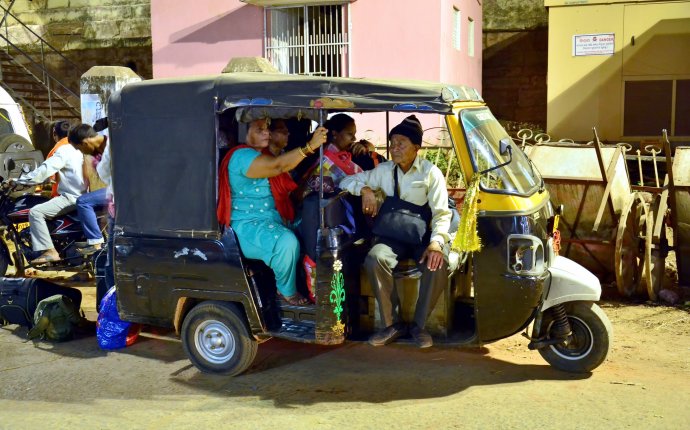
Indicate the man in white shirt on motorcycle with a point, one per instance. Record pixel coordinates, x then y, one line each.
68 161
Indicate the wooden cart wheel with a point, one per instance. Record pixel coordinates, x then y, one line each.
654 253
629 256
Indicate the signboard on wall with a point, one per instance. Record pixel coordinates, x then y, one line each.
593 44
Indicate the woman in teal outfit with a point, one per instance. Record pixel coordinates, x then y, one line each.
254 217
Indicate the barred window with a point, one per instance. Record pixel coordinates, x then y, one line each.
309 40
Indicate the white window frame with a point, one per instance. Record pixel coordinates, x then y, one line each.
470 37
298 51
457 29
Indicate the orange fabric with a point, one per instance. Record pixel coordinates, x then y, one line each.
281 187
56 177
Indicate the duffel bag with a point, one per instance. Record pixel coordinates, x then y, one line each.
19 298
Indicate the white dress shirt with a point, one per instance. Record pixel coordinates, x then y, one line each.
423 183
68 161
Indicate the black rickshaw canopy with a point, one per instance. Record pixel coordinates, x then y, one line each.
164 135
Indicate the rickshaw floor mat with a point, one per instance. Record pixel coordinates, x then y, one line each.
297 313
301 332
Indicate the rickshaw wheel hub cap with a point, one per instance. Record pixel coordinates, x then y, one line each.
579 343
214 341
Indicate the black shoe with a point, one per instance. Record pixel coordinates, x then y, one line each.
387 335
420 336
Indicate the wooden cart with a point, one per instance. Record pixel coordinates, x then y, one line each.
604 224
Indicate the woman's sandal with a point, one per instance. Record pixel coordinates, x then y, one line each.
295 300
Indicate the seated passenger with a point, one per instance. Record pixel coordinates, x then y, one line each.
279 136
341 155
68 161
256 201
95 199
421 183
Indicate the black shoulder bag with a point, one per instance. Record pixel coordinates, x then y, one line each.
401 220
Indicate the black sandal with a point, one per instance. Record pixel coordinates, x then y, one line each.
295 300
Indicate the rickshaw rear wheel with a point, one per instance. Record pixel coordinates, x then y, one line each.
589 344
216 339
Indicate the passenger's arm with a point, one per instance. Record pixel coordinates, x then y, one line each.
363 184
48 168
266 166
103 168
437 195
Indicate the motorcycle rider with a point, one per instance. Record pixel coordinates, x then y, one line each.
68 161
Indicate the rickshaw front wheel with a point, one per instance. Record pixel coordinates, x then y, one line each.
589 344
216 339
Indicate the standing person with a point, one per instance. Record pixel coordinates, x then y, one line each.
421 183
88 203
253 201
68 160
59 132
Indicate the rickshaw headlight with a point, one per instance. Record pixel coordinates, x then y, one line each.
525 254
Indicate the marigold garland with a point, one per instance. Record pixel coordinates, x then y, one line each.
467 237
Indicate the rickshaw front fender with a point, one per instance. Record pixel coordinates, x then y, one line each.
570 282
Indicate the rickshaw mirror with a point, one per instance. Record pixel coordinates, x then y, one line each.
504 146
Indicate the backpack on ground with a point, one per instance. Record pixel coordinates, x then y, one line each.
56 319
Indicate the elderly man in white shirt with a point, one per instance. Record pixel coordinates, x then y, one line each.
421 183
68 160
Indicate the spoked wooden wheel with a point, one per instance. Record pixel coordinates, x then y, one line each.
629 256
655 244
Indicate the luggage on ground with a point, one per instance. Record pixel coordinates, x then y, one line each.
19 298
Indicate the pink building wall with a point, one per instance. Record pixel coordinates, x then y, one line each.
457 67
389 39
201 36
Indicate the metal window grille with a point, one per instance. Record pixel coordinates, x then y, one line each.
309 40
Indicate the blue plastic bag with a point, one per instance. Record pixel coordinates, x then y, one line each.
111 331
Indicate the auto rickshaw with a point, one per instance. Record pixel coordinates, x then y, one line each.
175 267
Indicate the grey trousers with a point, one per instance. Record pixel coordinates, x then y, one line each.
40 236
379 265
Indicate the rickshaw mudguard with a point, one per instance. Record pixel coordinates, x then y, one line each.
505 302
570 282
153 273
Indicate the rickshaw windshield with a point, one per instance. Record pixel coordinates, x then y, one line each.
484 135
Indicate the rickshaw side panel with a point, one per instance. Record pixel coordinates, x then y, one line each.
154 273
164 164
504 301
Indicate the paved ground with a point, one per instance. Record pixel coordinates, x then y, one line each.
151 385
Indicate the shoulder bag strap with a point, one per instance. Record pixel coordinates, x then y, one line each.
396 193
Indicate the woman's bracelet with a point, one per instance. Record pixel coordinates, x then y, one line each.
301 152
307 149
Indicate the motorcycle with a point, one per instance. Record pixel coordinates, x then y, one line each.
16 200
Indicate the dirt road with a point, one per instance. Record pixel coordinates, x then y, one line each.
151 385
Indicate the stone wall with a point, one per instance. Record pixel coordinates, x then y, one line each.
515 42
87 33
